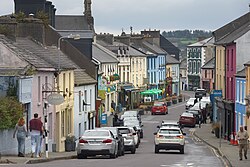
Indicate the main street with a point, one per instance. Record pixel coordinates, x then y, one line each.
196 152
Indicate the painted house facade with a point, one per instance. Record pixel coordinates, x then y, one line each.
173 75
207 73
247 118
220 68
183 74
240 104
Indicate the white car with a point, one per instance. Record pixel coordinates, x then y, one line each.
97 142
169 138
129 136
191 102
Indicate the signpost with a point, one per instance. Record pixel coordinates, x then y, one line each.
55 99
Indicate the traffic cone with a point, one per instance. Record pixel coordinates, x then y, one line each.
232 138
235 139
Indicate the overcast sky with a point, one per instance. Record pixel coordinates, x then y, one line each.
111 16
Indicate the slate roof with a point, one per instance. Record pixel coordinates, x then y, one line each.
154 48
241 73
10 72
235 34
103 55
168 46
183 63
71 22
25 55
82 78
171 60
230 27
49 53
210 64
132 51
201 43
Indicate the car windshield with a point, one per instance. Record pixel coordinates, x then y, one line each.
170 125
124 131
169 131
130 113
130 123
130 118
96 133
193 111
158 104
113 130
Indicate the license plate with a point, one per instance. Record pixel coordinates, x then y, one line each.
158 111
93 142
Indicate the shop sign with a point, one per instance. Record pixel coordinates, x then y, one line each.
55 99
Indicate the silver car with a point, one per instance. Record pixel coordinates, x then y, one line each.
97 142
169 138
130 138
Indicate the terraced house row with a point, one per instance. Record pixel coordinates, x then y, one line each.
62 59
221 63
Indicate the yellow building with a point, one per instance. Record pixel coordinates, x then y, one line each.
220 69
65 111
247 119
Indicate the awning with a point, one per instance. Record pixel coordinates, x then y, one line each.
151 92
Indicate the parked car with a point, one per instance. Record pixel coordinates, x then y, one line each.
135 123
120 140
191 102
196 112
97 142
199 93
129 136
169 138
187 119
159 108
131 113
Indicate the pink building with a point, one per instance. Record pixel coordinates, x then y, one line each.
230 71
207 75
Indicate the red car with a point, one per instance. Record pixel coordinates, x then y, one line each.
187 119
159 108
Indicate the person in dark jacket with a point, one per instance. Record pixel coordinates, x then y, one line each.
36 129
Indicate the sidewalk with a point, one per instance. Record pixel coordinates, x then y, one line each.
229 153
28 160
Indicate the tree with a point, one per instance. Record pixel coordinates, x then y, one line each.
10 111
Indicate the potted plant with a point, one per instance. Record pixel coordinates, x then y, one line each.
169 99
70 144
180 98
174 99
216 129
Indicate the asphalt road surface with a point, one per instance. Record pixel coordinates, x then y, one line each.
197 154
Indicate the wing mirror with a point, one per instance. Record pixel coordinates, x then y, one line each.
184 134
141 125
158 126
155 133
134 133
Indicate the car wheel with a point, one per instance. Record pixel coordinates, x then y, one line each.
133 150
182 150
123 152
113 156
81 156
156 149
141 135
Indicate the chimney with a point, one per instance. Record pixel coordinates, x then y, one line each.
152 37
108 38
88 14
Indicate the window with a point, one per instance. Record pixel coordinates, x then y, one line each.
198 67
70 83
232 58
238 91
39 88
90 96
194 67
85 99
62 123
205 73
212 74
50 125
64 82
240 99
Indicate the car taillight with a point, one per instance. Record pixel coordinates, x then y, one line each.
159 136
180 137
83 141
107 141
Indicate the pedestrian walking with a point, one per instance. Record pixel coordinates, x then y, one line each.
113 105
242 137
36 129
21 133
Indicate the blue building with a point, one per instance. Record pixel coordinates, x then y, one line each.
240 106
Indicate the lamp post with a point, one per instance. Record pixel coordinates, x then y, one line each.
71 36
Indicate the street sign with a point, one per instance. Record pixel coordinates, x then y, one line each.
104 119
55 99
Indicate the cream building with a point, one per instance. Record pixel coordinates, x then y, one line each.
220 69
